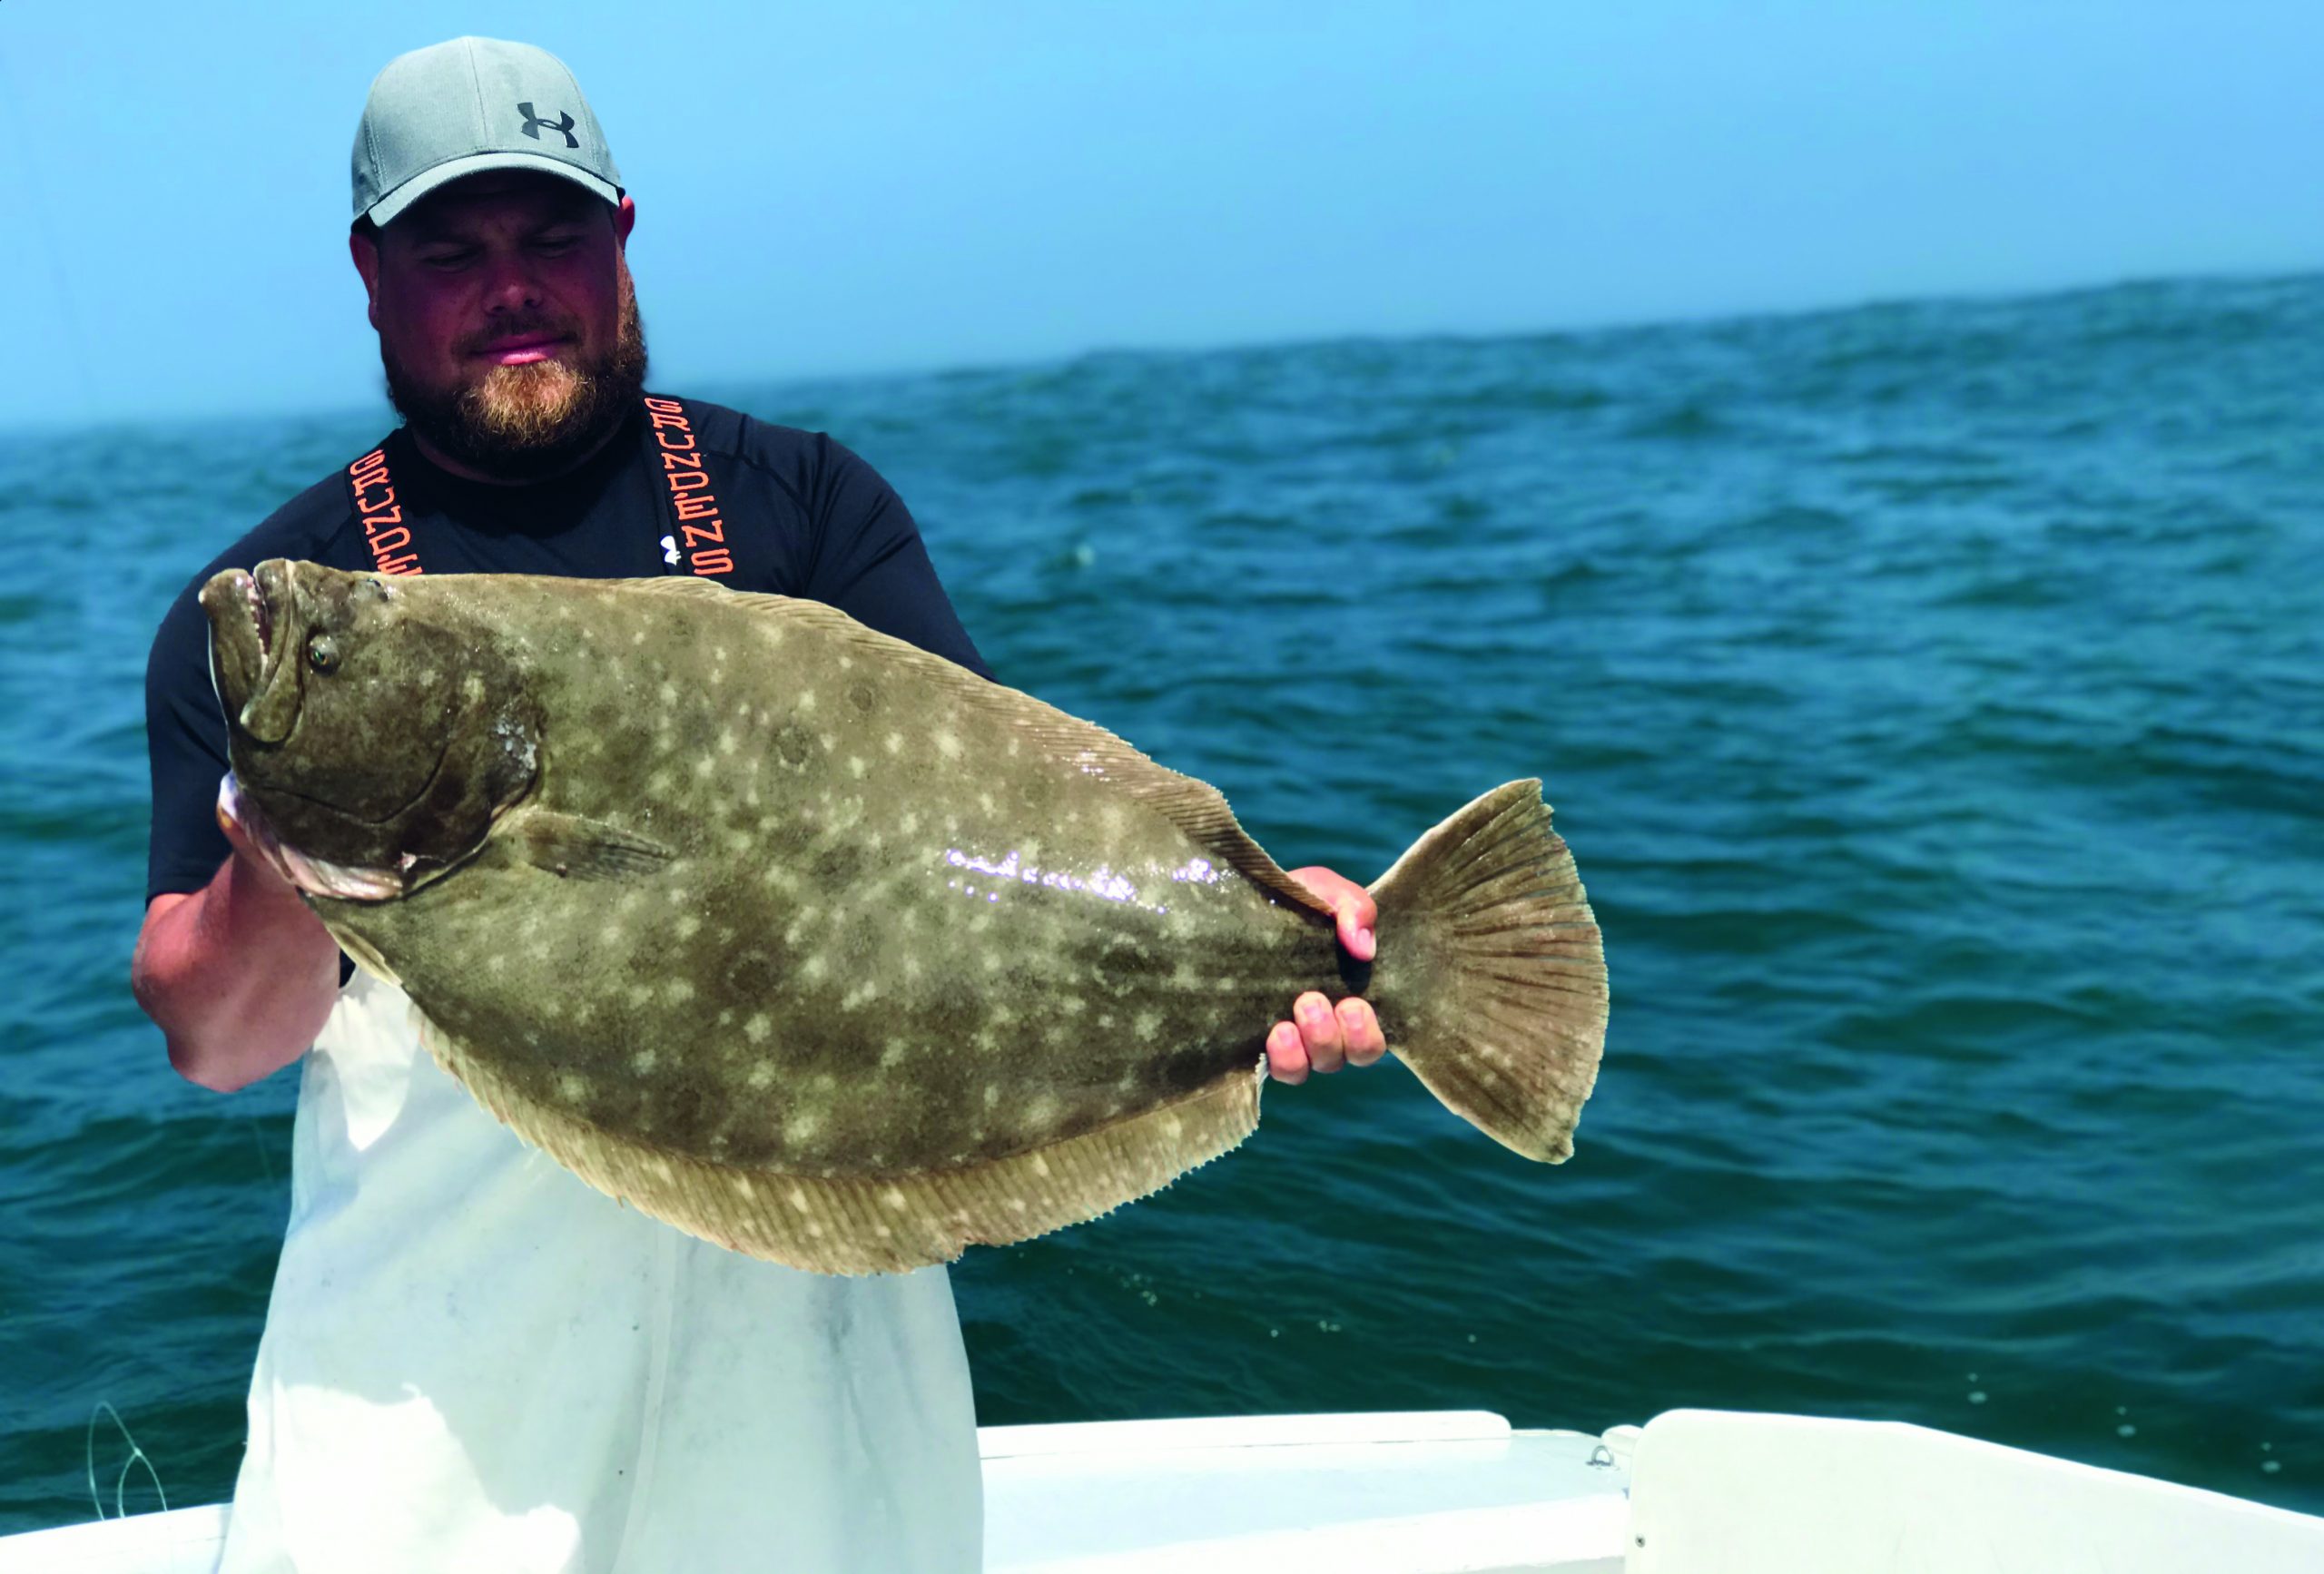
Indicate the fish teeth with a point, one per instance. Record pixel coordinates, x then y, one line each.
259 615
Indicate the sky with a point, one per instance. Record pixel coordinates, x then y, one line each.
867 185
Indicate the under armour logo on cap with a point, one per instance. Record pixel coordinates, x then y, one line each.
562 125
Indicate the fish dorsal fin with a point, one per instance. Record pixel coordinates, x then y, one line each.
1195 807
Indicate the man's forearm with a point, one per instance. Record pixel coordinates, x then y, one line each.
238 976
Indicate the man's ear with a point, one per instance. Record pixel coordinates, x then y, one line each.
364 247
624 218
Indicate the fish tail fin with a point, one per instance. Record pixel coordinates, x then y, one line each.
1491 980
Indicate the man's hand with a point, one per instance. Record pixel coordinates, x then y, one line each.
240 975
1322 1037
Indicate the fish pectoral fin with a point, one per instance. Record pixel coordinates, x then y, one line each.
574 847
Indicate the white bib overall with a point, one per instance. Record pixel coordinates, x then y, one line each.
473 1362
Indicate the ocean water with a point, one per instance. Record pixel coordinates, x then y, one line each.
1933 695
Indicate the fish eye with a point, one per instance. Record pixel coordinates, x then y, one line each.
323 653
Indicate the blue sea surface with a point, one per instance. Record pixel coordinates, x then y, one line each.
1933 695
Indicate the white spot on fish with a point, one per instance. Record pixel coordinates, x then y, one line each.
571 1088
856 765
762 1076
687 925
758 1028
798 1198
948 744
641 1062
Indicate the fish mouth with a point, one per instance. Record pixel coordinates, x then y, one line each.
315 876
251 619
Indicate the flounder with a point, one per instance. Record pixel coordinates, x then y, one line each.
826 949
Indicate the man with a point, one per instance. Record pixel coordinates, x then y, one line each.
471 1360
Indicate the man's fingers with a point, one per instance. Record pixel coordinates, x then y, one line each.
1350 903
1286 1056
1319 1029
1360 1031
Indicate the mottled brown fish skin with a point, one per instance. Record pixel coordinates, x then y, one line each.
822 948
893 936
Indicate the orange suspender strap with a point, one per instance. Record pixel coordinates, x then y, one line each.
384 530
697 543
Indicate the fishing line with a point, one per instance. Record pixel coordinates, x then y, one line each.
136 1457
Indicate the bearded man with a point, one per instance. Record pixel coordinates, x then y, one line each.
471 1360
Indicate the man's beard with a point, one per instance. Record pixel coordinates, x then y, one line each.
529 422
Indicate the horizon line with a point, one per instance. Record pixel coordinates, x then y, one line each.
1708 318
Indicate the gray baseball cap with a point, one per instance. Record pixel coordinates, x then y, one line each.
466 106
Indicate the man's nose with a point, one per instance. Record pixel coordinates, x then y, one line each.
509 284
